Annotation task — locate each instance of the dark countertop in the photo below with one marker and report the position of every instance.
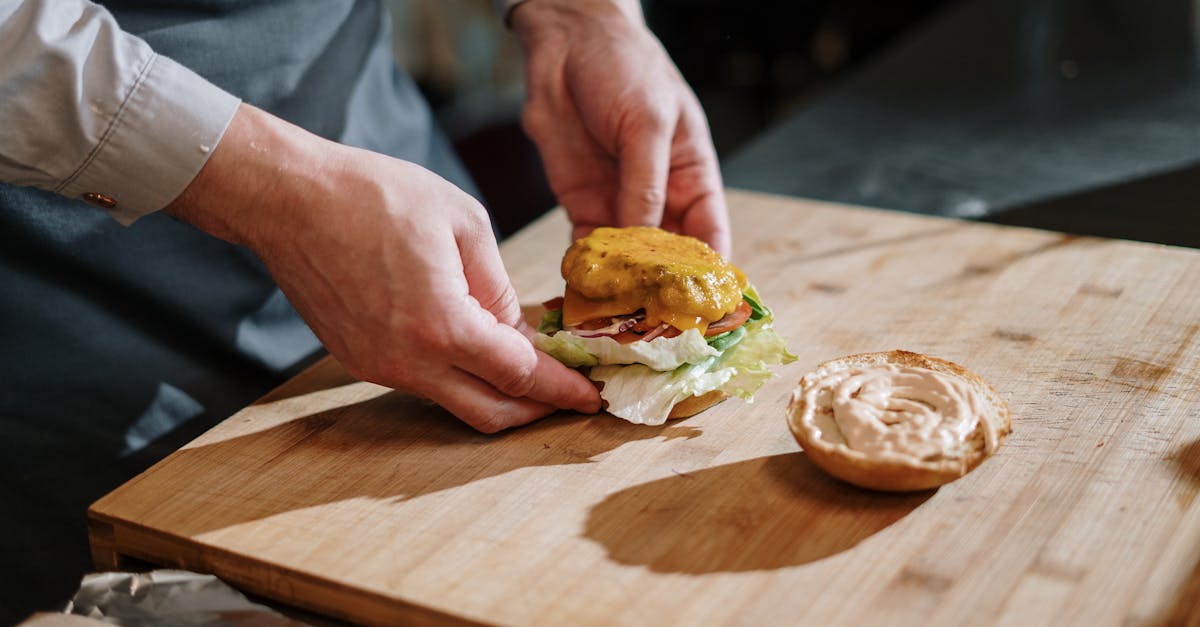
(1073, 115)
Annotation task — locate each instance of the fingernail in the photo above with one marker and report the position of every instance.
(590, 406)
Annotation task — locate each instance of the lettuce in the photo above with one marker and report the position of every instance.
(642, 395)
(551, 322)
(661, 354)
(644, 380)
(726, 340)
(758, 311)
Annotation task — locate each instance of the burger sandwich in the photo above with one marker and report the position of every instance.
(663, 323)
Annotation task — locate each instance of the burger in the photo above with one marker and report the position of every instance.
(664, 324)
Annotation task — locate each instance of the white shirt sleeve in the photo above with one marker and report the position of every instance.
(90, 111)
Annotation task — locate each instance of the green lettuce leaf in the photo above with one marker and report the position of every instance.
(726, 340)
(551, 322)
(642, 395)
(758, 311)
(644, 380)
(660, 354)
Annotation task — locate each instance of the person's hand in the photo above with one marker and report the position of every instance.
(394, 269)
(623, 138)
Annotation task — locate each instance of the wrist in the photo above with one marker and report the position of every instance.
(261, 176)
(532, 20)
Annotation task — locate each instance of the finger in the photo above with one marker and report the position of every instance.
(582, 230)
(483, 268)
(500, 355)
(695, 189)
(589, 208)
(480, 405)
(486, 343)
(708, 219)
(643, 160)
(582, 175)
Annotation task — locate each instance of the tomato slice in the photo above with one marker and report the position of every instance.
(554, 304)
(731, 321)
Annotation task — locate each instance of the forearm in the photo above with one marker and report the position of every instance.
(88, 110)
(265, 170)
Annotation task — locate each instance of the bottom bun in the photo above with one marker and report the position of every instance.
(814, 423)
(695, 404)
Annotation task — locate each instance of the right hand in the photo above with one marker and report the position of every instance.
(395, 270)
(623, 137)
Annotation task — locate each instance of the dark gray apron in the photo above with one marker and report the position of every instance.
(119, 344)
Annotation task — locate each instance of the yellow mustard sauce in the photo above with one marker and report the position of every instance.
(677, 279)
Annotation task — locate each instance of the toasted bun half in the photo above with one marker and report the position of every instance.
(695, 404)
(814, 424)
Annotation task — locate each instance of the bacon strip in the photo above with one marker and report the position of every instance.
(635, 328)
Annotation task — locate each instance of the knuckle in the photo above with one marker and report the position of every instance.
(650, 197)
(517, 381)
(505, 307)
(658, 122)
(490, 422)
(648, 119)
(479, 218)
(457, 339)
(535, 120)
(425, 343)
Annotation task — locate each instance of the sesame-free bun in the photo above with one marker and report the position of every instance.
(695, 404)
(812, 421)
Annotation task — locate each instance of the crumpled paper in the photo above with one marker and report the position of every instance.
(169, 598)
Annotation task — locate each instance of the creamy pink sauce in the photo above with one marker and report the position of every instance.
(890, 410)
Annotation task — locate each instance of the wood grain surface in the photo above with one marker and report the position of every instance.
(364, 504)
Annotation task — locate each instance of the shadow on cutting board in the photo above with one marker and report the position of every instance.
(391, 446)
(784, 512)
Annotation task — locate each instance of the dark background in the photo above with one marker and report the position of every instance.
(1073, 115)
(750, 64)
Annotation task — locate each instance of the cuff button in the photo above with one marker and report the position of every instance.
(100, 200)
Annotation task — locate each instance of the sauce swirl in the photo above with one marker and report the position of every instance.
(889, 410)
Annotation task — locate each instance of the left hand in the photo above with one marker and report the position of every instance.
(623, 138)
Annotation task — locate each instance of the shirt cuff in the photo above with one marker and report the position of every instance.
(162, 135)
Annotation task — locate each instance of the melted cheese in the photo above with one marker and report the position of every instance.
(678, 280)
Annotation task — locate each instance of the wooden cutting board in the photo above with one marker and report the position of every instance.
(348, 499)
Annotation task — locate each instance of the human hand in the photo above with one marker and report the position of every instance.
(394, 269)
(623, 138)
